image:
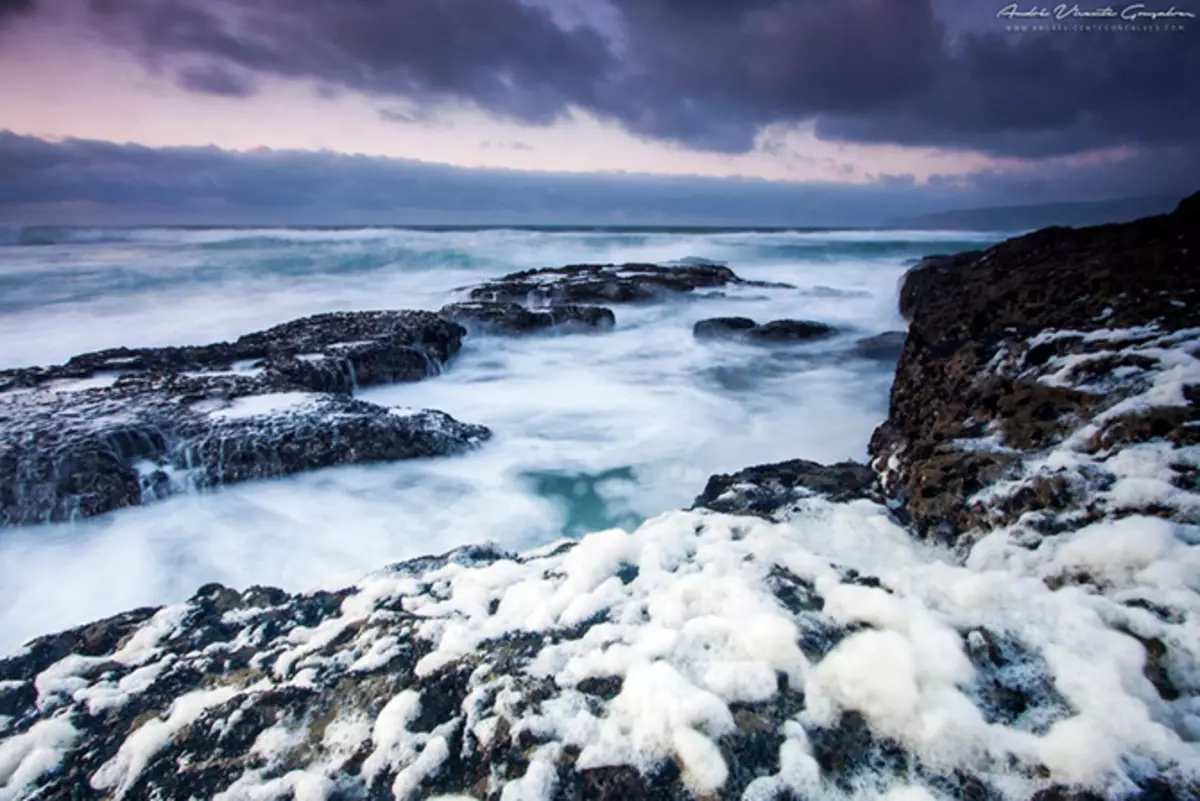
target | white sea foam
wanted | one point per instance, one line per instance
(693, 628)
(265, 405)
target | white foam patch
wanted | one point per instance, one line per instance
(412, 756)
(119, 773)
(683, 612)
(97, 381)
(267, 405)
(697, 630)
(28, 756)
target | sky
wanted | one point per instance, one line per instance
(787, 112)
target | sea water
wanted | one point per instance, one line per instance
(591, 431)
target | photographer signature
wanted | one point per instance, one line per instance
(1135, 12)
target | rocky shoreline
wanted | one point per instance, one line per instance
(123, 427)
(1003, 604)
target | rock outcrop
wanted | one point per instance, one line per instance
(495, 317)
(122, 427)
(769, 490)
(1030, 365)
(609, 283)
(775, 332)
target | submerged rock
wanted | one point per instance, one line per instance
(497, 317)
(883, 347)
(774, 332)
(608, 283)
(122, 427)
(722, 328)
(782, 331)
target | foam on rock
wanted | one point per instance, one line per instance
(672, 661)
(609, 283)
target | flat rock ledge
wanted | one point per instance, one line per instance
(609, 283)
(124, 427)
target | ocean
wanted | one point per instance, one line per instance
(591, 431)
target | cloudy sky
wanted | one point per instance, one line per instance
(769, 111)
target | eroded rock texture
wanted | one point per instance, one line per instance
(122, 427)
(1030, 366)
(608, 283)
(702, 656)
(496, 317)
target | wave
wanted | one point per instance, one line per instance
(269, 237)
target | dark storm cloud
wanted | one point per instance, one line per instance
(905, 72)
(1035, 94)
(93, 182)
(705, 73)
(11, 8)
(504, 55)
(711, 73)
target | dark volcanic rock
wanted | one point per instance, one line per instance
(120, 427)
(608, 283)
(767, 490)
(497, 317)
(781, 331)
(333, 352)
(884, 347)
(722, 328)
(776, 332)
(1013, 349)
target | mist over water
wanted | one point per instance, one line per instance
(591, 430)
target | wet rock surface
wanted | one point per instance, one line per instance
(885, 347)
(494, 317)
(122, 427)
(1076, 339)
(609, 283)
(333, 352)
(722, 327)
(775, 332)
(768, 490)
